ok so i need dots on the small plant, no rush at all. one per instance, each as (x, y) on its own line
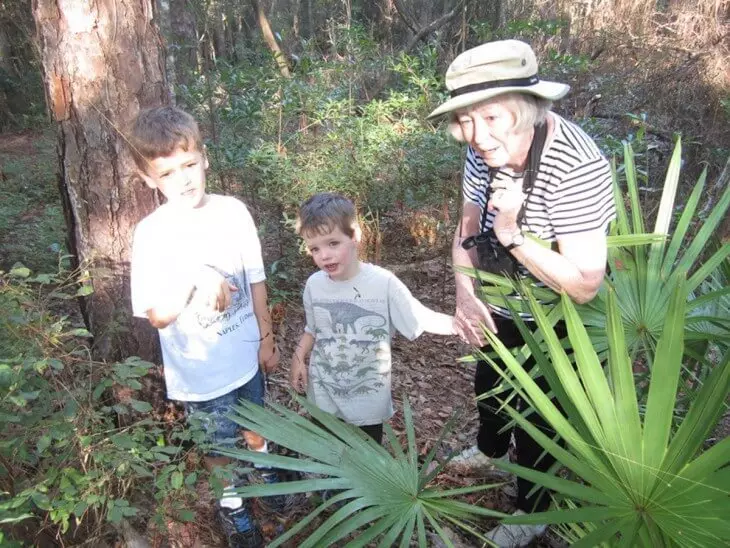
(65, 456)
(639, 481)
(640, 267)
(640, 275)
(379, 495)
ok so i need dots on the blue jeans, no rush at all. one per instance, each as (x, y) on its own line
(212, 414)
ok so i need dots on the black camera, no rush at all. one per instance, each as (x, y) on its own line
(492, 256)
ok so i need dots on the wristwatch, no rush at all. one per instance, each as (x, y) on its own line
(517, 240)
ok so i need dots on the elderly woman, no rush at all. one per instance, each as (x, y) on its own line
(527, 170)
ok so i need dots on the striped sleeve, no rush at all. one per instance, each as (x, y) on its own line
(583, 200)
(474, 183)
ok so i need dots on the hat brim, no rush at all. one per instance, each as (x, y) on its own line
(552, 91)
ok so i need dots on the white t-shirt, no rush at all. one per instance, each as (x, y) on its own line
(352, 322)
(205, 354)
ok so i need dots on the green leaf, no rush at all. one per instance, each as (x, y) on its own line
(176, 479)
(43, 443)
(665, 376)
(680, 231)
(630, 172)
(705, 233)
(186, 516)
(140, 406)
(123, 441)
(84, 290)
(700, 420)
(114, 514)
(99, 389)
(19, 271)
(669, 192)
(79, 332)
(626, 406)
(631, 240)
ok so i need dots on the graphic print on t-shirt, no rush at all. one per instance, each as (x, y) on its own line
(350, 355)
(209, 326)
(239, 300)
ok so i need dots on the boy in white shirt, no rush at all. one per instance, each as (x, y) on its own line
(198, 277)
(352, 309)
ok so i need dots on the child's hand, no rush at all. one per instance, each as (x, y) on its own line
(298, 375)
(268, 355)
(212, 290)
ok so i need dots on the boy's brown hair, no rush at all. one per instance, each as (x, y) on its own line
(324, 212)
(159, 131)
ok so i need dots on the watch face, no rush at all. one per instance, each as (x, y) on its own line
(518, 239)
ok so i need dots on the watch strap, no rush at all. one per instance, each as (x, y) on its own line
(515, 244)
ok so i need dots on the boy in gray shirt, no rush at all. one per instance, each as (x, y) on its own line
(352, 309)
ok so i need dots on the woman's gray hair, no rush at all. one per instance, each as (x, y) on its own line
(529, 110)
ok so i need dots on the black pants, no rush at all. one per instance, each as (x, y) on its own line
(375, 431)
(494, 444)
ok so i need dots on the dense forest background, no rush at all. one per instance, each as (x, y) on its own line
(294, 97)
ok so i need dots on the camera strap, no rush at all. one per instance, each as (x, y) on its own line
(528, 178)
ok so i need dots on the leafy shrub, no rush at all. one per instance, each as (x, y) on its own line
(69, 452)
(284, 139)
(381, 495)
(640, 481)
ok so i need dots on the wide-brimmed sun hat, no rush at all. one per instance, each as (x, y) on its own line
(493, 69)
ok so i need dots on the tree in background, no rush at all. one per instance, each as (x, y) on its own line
(102, 63)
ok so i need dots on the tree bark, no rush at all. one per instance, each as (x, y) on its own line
(216, 24)
(270, 39)
(184, 41)
(102, 63)
(6, 69)
(165, 25)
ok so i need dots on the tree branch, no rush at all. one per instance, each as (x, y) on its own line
(428, 29)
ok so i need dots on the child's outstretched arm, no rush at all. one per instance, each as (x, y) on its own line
(298, 373)
(268, 351)
(436, 322)
(411, 317)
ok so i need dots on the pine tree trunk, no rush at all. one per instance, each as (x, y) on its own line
(270, 39)
(102, 63)
(184, 40)
(216, 24)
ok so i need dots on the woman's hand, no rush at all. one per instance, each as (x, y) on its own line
(506, 201)
(471, 314)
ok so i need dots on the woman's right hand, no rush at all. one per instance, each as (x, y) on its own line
(471, 314)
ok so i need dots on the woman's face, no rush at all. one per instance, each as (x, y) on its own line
(489, 128)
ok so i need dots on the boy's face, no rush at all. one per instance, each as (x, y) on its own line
(180, 177)
(334, 252)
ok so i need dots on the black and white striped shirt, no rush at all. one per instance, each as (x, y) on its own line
(572, 192)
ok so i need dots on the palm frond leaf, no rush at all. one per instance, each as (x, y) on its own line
(385, 497)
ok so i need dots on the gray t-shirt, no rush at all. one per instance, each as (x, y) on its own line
(352, 322)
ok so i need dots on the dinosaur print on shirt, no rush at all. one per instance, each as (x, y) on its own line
(350, 363)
